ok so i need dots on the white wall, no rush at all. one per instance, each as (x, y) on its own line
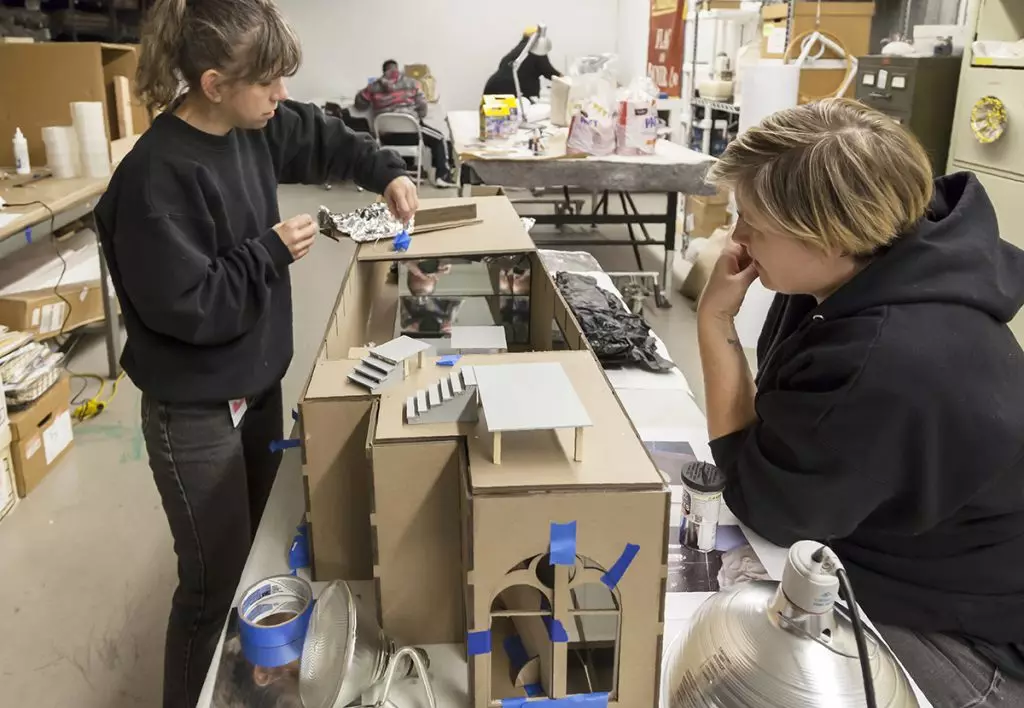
(345, 41)
(633, 33)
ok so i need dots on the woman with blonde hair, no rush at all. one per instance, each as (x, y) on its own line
(887, 415)
(199, 256)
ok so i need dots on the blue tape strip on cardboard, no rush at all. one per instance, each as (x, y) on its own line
(583, 700)
(556, 632)
(615, 573)
(562, 546)
(449, 360)
(279, 445)
(280, 643)
(478, 642)
(517, 658)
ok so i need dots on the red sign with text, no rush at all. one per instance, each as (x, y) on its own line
(665, 45)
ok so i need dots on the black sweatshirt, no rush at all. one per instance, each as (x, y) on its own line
(502, 81)
(187, 228)
(891, 422)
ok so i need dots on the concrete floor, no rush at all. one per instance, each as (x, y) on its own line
(87, 562)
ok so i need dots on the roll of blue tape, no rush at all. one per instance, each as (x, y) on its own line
(273, 617)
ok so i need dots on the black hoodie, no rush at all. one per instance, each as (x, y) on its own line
(186, 226)
(891, 423)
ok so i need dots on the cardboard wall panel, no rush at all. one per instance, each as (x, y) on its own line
(606, 521)
(542, 306)
(417, 525)
(338, 479)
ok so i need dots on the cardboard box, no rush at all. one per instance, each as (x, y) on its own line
(698, 276)
(39, 81)
(421, 72)
(8, 487)
(45, 314)
(705, 214)
(848, 22)
(427, 514)
(41, 436)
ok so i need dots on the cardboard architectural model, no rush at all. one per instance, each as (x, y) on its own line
(549, 567)
(387, 362)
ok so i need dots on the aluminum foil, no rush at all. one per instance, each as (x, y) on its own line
(368, 224)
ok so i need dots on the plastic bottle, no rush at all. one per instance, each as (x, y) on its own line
(21, 162)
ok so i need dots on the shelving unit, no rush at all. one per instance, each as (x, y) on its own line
(95, 20)
(715, 112)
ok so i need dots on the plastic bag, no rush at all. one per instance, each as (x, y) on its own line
(592, 128)
(618, 337)
(636, 124)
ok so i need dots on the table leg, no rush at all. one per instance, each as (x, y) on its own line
(671, 215)
(112, 324)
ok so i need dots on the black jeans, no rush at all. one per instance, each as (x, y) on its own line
(951, 672)
(435, 141)
(214, 480)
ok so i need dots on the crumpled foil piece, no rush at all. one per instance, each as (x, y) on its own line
(365, 225)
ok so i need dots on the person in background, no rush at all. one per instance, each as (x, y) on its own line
(887, 413)
(531, 70)
(199, 257)
(394, 92)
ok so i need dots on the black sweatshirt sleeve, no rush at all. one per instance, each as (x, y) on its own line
(309, 147)
(181, 292)
(810, 468)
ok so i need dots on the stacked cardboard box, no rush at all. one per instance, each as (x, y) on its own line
(705, 214)
(41, 435)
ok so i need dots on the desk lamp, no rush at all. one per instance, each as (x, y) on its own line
(786, 645)
(539, 45)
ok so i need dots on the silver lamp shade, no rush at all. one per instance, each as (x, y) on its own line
(345, 653)
(541, 45)
(752, 646)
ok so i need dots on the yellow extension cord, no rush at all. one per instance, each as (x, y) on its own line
(95, 405)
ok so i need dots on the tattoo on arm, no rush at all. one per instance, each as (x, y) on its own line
(735, 342)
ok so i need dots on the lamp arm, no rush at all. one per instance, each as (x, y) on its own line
(515, 73)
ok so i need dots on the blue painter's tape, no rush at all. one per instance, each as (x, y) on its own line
(478, 642)
(534, 690)
(402, 241)
(516, 651)
(278, 644)
(585, 700)
(563, 544)
(298, 554)
(279, 445)
(28, 235)
(615, 573)
(449, 360)
(556, 632)
(295, 413)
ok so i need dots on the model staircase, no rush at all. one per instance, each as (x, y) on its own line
(372, 372)
(451, 400)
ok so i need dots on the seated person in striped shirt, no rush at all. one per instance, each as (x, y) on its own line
(394, 92)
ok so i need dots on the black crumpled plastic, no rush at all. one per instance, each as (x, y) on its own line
(617, 336)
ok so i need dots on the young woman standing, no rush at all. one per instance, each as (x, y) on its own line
(199, 257)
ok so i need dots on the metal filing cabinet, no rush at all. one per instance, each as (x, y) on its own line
(918, 93)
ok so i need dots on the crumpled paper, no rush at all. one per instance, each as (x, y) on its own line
(369, 224)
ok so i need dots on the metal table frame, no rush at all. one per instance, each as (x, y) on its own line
(43, 228)
(631, 216)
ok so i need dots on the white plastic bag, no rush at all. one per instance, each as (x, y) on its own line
(636, 125)
(592, 128)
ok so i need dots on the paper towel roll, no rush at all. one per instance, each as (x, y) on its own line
(62, 154)
(90, 126)
(768, 86)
